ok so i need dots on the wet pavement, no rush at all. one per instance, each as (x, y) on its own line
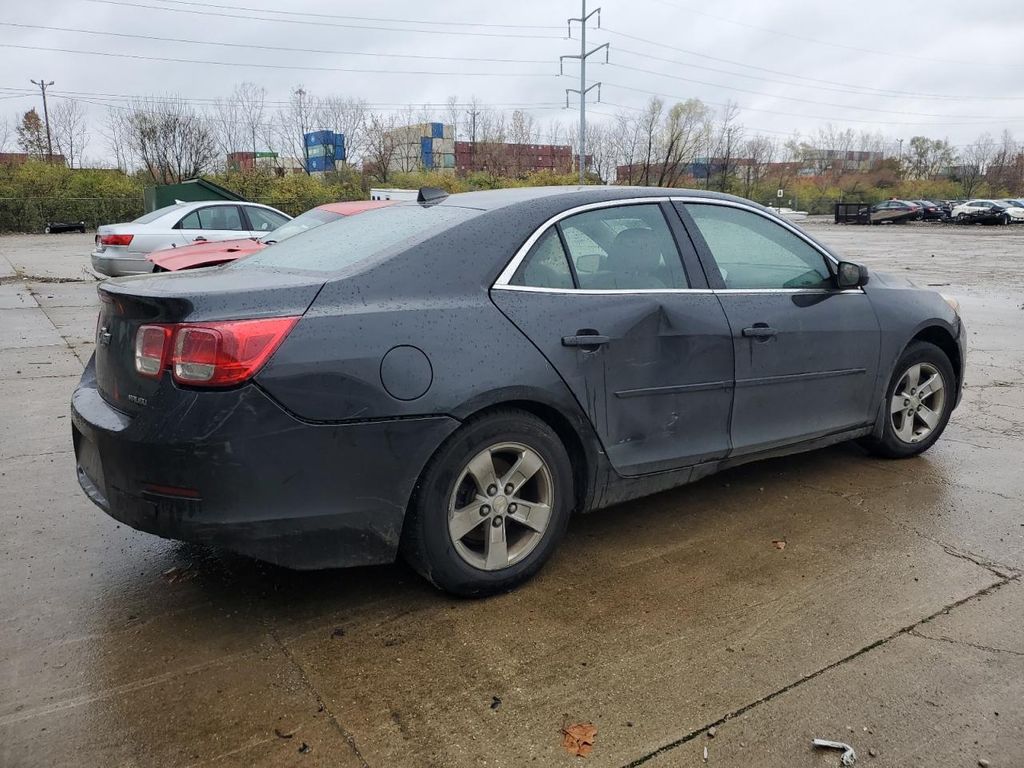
(890, 618)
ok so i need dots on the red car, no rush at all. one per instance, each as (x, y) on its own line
(214, 253)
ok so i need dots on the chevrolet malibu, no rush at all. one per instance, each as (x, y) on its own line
(450, 379)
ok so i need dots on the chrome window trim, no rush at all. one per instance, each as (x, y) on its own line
(649, 291)
(503, 281)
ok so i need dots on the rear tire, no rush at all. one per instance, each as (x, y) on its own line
(473, 537)
(918, 403)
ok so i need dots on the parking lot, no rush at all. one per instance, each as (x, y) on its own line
(826, 595)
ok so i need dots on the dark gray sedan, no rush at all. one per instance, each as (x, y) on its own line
(450, 379)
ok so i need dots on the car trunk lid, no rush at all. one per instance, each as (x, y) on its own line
(185, 297)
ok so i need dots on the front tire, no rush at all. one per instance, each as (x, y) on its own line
(491, 506)
(918, 403)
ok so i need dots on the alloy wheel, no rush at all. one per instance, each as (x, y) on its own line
(918, 402)
(500, 507)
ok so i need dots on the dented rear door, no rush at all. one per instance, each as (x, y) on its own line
(658, 384)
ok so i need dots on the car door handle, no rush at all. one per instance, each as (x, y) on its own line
(199, 239)
(585, 340)
(760, 331)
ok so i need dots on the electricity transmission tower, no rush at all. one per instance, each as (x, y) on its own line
(583, 55)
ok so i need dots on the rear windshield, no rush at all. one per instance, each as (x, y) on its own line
(360, 237)
(154, 215)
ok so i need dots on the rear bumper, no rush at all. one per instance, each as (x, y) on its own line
(233, 469)
(118, 264)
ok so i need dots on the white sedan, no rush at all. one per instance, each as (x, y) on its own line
(121, 249)
(977, 208)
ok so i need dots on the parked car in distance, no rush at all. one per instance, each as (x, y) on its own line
(894, 212)
(1013, 202)
(121, 249)
(57, 227)
(211, 254)
(929, 211)
(450, 379)
(986, 212)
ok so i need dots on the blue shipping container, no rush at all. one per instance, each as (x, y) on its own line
(437, 130)
(339, 146)
(319, 137)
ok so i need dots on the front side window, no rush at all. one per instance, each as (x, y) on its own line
(218, 217)
(626, 247)
(752, 251)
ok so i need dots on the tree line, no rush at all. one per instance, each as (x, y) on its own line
(168, 139)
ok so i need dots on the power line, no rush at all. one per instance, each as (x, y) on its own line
(791, 98)
(208, 62)
(827, 43)
(848, 87)
(191, 11)
(792, 115)
(250, 46)
(365, 18)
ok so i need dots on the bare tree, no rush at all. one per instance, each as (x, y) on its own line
(727, 135)
(242, 120)
(974, 163)
(5, 135)
(70, 130)
(168, 138)
(759, 152)
(347, 116)
(381, 148)
(114, 131)
(452, 113)
(294, 121)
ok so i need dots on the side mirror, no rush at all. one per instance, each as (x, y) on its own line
(850, 275)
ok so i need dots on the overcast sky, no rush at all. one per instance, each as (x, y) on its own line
(942, 69)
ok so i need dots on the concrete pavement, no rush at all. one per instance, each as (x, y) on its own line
(890, 618)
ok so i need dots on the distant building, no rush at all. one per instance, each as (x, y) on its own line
(514, 159)
(20, 158)
(247, 161)
(837, 160)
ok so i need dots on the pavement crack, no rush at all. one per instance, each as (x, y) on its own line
(907, 630)
(999, 569)
(954, 641)
(335, 722)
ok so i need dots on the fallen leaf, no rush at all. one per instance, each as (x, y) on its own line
(495, 702)
(338, 632)
(304, 748)
(779, 543)
(282, 734)
(578, 739)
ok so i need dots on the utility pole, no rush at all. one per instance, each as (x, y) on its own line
(583, 55)
(472, 137)
(46, 116)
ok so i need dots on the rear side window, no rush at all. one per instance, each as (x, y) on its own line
(752, 251)
(362, 237)
(545, 266)
(628, 247)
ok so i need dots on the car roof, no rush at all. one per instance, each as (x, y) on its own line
(494, 199)
(350, 207)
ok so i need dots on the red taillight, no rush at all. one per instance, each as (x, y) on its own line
(116, 239)
(151, 349)
(210, 354)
